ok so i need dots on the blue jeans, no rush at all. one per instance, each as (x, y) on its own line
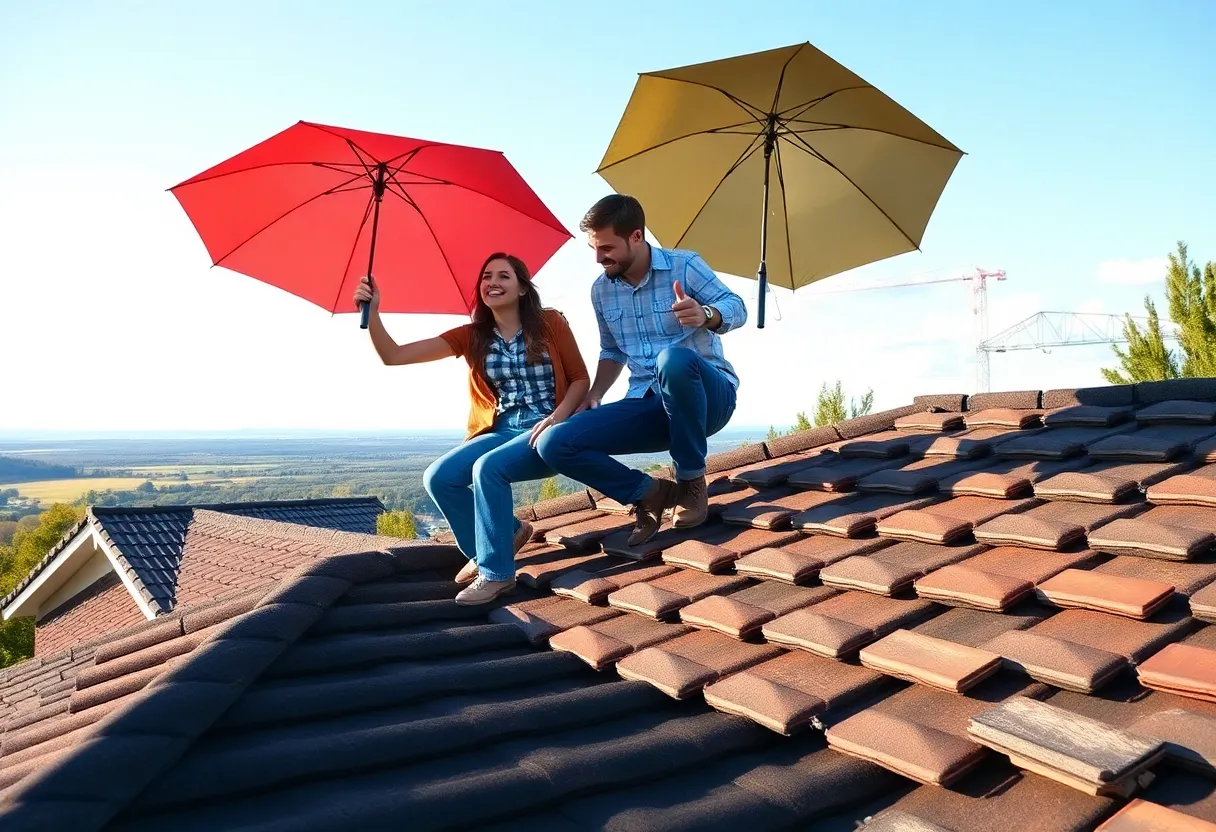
(694, 401)
(471, 485)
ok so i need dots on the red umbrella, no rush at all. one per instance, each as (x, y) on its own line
(313, 209)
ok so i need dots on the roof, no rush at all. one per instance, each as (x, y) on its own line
(909, 624)
(150, 544)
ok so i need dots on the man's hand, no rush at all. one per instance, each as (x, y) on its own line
(591, 402)
(367, 292)
(688, 312)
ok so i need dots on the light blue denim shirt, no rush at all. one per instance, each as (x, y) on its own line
(636, 323)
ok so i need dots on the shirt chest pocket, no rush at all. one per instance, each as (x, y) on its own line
(612, 320)
(666, 322)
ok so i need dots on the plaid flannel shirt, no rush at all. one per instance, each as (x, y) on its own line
(516, 382)
(636, 323)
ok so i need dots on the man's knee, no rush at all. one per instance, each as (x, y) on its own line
(675, 361)
(553, 447)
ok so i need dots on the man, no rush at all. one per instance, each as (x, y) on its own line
(660, 312)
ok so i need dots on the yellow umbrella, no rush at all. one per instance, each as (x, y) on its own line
(857, 175)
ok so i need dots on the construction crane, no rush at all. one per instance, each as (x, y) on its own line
(979, 309)
(1047, 330)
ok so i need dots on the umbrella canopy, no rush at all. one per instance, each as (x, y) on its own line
(314, 208)
(783, 158)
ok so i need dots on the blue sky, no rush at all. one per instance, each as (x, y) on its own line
(1088, 128)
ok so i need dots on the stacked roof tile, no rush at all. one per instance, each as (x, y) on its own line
(990, 628)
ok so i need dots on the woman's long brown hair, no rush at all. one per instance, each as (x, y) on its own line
(531, 316)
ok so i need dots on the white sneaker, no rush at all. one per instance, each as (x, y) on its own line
(483, 591)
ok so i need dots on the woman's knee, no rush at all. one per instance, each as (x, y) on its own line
(438, 477)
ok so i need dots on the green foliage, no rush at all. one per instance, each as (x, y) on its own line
(1191, 295)
(16, 640)
(8, 528)
(30, 544)
(397, 524)
(549, 489)
(833, 407)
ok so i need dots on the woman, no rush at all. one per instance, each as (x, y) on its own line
(525, 375)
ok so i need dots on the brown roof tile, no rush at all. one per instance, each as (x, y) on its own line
(856, 516)
(845, 623)
(918, 477)
(594, 587)
(930, 421)
(930, 661)
(1197, 488)
(663, 597)
(1087, 415)
(606, 642)
(1142, 816)
(1157, 443)
(542, 618)
(1106, 482)
(1083, 589)
(1178, 412)
(891, 570)
(787, 692)
(922, 733)
(1003, 417)
(777, 513)
(1006, 478)
(1015, 400)
(685, 665)
(800, 561)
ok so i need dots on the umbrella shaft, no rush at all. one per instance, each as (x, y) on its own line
(762, 274)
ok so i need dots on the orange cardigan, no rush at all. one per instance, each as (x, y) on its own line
(568, 367)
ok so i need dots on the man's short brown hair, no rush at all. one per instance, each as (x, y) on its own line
(622, 213)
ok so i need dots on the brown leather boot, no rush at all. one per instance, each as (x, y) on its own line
(649, 510)
(692, 504)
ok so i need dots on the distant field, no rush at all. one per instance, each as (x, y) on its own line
(66, 491)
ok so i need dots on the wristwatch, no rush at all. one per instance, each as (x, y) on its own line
(709, 314)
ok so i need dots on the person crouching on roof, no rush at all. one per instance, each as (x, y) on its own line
(525, 376)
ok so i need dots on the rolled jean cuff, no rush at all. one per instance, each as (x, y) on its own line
(684, 474)
(492, 576)
(642, 490)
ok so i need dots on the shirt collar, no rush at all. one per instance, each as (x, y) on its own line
(660, 260)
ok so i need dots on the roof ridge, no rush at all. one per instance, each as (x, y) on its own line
(222, 521)
(228, 507)
(150, 733)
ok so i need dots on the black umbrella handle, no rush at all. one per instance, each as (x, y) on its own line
(366, 307)
(378, 197)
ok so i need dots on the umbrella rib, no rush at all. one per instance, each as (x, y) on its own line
(405, 197)
(751, 149)
(283, 216)
(726, 130)
(493, 199)
(830, 126)
(367, 212)
(200, 180)
(759, 115)
(859, 189)
(785, 211)
(781, 78)
(815, 102)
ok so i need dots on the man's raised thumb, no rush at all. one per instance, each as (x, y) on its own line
(679, 291)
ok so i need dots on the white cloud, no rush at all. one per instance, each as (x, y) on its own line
(1122, 272)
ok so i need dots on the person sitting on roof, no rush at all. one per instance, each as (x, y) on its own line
(661, 312)
(526, 375)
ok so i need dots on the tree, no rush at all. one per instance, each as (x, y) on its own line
(1191, 295)
(833, 407)
(29, 547)
(549, 489)
(1146, 357)
(397, 524)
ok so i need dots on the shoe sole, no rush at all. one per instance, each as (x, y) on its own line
(519, 544)
(490, 600)
(686, 525)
